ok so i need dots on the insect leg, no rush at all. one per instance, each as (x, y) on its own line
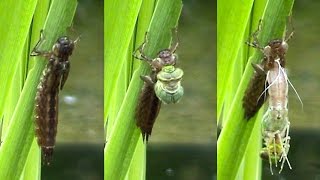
(141, 49)
(174, 46)
(292, 32)
(287, 144)
(36, 51)
(275, 149)
(76, 41)
(147, 79)
(255, 43)
(258, 68)
(65, 73)
(270, 161)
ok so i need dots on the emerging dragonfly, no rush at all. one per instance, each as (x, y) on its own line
(275, 124)
(52, 81)
(162, 85)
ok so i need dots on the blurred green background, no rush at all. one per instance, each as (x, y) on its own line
(182, 145)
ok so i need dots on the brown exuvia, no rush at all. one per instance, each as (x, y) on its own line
(52, 80)
(148, 107)
(252, 100)
(256, 94)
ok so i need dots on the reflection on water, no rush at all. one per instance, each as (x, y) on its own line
(75, 161)
(70, 100)
(169, 162)
(185, 162)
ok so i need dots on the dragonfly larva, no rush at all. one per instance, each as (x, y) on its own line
(51, 82)
(148, 107)
(162, 85)
(251, 101)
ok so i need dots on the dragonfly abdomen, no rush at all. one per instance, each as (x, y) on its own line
(254, 96)
(46, 110)
(148, 108)
(52, 80)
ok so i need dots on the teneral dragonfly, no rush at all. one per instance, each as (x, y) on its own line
(162, 85)
(275, 123)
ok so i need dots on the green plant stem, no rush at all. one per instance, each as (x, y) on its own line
(229, 41)
(117, 36)
(138, 164)
(16, 22)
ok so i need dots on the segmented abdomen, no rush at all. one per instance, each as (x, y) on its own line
(278, 90)
(46, 108)
(253, 98)
(275, 125)
(147, 109)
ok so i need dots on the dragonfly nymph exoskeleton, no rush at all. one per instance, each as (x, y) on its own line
(162, 85)
(276, 48)
(270, 79)
(51, 82)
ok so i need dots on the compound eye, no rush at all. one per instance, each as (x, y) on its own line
(284, 46)
(267, 51)
(164, 53)
(56, 48)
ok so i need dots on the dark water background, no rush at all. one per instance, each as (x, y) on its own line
(182, 145)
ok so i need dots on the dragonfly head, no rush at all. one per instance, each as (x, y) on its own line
(63, 47)
(166, 57)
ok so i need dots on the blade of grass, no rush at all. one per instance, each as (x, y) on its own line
(17, 22)
(118, 31)
(137, 168)
(229, 41)
(124, 136)
(252, 168)
(234, 137)
(32, 169)
(117, 63)
(124, 27)
(20, 133)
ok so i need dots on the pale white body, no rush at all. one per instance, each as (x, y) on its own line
(275, 125)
